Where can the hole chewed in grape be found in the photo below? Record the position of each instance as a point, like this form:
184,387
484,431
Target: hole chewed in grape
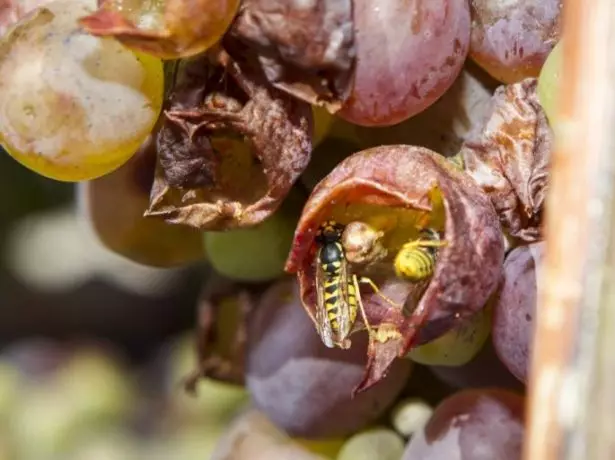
169,29
511,39
230,146
399,189
515,311
304,48
509,158
300,384
486,424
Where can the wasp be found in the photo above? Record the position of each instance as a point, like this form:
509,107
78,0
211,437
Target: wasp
416,259
338,295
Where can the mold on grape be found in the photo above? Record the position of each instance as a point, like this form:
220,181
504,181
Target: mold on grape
170,30
304,48
230,146
397,189
509,158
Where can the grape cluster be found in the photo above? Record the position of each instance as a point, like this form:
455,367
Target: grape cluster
232,133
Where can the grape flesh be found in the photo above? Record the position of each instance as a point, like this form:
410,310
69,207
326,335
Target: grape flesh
515,311
301,385
549,82
511,39
472,424
72,106
408,54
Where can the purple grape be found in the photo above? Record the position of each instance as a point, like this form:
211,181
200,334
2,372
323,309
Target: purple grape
301,385
515,310
472,425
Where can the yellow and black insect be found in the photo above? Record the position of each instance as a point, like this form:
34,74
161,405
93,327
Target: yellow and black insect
416,260
338,295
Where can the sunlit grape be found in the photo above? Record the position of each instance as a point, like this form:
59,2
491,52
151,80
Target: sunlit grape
380,443
549,82
511,39
458,346
408,54
73,107
472,424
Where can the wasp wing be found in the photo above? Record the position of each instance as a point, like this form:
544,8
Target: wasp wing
324,326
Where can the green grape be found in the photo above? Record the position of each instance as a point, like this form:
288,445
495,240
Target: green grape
549,82
379,443
72,106
252,254
458,346
410,415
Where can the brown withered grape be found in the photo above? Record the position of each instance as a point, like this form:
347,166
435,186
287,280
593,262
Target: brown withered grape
515,311
398,190
300,384
473,424
512,39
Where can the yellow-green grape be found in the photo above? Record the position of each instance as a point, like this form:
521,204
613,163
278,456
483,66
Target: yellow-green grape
327,125
327,448
188,443
459,345
410,415
549,82
10,390
378,443
72,106
252,254
112,444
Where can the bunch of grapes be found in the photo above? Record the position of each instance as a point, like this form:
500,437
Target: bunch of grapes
365,177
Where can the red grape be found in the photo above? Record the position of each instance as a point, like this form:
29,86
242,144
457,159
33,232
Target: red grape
514,313
472,424
408,54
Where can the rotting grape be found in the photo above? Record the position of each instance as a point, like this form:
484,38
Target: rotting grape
113,206
253,254
401,70
300,384
375,443
515,310
483,424
512,39
549,83
459,345
73,107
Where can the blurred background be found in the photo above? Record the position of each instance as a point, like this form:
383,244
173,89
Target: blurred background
87,338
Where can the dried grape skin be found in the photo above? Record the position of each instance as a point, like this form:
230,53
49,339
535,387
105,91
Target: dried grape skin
472,424
515,311
300,384
512,39
408,54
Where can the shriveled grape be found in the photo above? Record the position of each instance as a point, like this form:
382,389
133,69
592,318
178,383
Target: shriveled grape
301,385
473,424
515,311
511,39
549,82
73,107
408,54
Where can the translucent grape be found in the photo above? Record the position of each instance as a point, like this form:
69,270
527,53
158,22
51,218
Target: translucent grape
73,107
379,443
472,424
511,39
515,311
302,386
549,82
253,254
458,346
408,54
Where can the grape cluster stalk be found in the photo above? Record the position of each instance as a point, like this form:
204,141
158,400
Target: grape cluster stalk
225,132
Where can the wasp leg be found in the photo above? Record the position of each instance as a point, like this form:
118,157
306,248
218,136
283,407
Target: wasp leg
370,331
376,289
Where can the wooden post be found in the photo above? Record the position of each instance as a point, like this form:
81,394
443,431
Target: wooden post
571,407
